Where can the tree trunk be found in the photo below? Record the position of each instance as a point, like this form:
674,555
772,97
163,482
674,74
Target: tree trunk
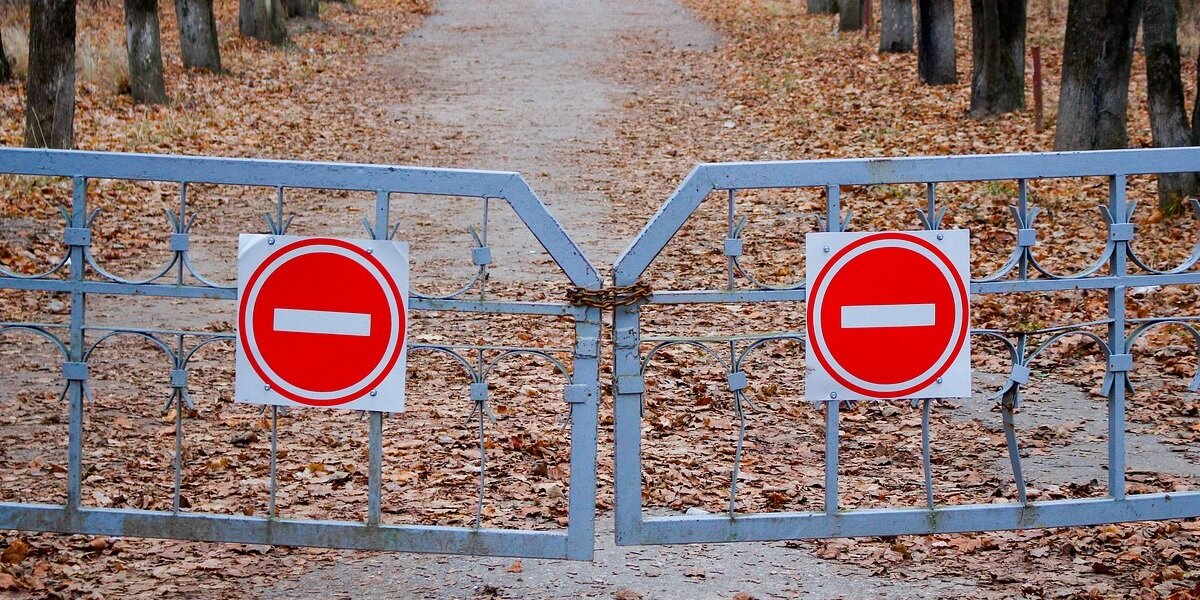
937,59
827,7
6,73
198,35
1097,57
1196,109
50,93
262,20
998,51
850,15
301,8
896,31
1164,83
143,45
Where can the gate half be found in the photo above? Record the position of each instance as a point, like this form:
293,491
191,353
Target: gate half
79,274
1117,269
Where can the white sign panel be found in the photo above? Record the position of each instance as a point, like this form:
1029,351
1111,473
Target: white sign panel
889,315
321,322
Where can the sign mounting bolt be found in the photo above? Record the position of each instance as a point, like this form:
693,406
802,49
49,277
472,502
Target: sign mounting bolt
267,388
833,395
826,248
270,241
374,392
941,236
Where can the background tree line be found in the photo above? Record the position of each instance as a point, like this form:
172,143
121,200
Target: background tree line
1098,49
50,85
1098,52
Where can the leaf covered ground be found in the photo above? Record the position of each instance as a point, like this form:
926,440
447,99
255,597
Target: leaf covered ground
782,85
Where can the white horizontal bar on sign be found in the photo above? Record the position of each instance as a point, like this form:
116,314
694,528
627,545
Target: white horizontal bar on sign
326,322
887,315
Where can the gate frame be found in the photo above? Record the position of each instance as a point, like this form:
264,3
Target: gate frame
633,527
581,393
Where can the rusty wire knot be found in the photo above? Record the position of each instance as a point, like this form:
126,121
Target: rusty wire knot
609,297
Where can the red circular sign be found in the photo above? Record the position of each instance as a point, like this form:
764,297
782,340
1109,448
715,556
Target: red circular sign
321,321
887,315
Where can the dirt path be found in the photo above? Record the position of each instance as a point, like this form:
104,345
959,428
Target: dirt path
524,86
1080,424
532,87
717,571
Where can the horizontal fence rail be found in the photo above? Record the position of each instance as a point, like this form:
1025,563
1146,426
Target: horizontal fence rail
1117,268
80,274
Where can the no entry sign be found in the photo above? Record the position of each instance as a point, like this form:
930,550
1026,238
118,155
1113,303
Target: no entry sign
888,315
321,322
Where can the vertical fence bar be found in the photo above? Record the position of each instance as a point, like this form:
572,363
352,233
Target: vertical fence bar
274,485
627,432
177,487
581,495
931,199
481,408
833,223
375,435
731,214
831,456
1116,338
179,268
931,204
76,350
926,453
833,208
1008,404
1023,209
375,473
483,279
279,227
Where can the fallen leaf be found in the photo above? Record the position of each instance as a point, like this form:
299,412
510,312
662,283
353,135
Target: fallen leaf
15,552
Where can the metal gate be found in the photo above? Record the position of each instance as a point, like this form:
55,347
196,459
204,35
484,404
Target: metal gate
79,274
1117,269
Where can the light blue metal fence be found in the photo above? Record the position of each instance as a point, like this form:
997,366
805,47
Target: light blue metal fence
1117,269
79,274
